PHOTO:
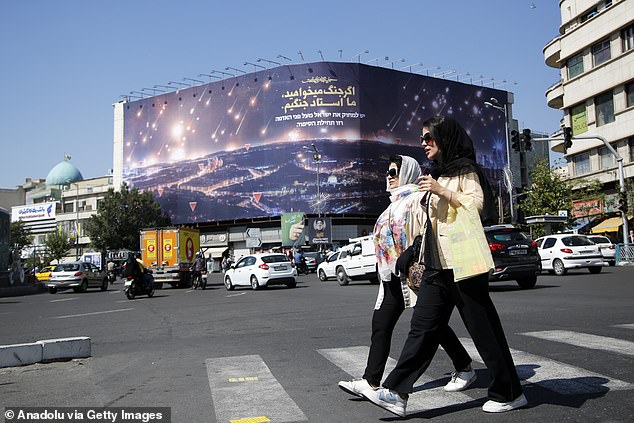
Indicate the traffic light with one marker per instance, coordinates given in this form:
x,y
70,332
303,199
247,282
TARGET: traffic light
x,y
526,139
622,202
515,140
567,138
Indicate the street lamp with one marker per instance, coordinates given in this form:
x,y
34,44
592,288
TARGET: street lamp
x,y
494,103
316,159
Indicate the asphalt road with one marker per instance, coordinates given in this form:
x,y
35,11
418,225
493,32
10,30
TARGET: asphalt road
x,y
278,353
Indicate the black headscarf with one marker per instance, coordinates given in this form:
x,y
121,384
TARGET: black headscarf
x,y
457,157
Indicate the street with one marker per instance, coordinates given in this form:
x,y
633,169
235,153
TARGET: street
x,y
277,354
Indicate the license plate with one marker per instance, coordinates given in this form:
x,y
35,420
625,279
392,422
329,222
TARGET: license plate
x,y
127,283
280,268
517,252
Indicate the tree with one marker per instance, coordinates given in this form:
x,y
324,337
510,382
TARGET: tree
x,y
57,244
548,193
20,235
121,216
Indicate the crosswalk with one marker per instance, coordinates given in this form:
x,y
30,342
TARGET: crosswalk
x,y
244,390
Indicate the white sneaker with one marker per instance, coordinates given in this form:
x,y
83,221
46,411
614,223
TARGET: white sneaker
x,y
387,399
355,387
501,407
460,381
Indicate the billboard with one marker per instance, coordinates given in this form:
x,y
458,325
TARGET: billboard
x,y
245,147
33,212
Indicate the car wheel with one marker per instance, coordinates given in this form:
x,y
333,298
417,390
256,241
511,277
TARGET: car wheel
x,y
527,283
595,269
104,285
254,283
322,275
559,268
292,284
342,276
52,290
228,284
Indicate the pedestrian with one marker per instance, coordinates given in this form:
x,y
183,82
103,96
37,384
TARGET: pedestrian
x,y
454,175
394,232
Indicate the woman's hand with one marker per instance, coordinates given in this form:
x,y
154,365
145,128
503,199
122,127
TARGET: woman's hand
x,y
428,184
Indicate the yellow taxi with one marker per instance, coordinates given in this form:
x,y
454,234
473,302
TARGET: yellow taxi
x,y
44,274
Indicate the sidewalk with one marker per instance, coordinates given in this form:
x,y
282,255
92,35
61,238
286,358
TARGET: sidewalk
x,y
18,291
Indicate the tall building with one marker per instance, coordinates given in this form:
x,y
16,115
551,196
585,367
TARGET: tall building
x,y
595,53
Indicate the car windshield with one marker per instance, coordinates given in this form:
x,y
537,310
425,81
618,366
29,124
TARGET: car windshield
x,y
576,241
276,258
314,255
507,235
67,267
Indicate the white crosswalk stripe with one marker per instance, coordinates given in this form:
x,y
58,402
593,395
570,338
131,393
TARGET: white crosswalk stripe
x,y
352,360
243,389
555,375
625,326
586,340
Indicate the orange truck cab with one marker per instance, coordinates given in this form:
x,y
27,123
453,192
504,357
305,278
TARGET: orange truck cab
x,y
169,253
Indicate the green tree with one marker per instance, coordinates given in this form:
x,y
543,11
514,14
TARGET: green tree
x,y
548,194
121,216
20,235
57,245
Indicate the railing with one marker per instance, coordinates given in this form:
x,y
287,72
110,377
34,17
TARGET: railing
x,y
624,254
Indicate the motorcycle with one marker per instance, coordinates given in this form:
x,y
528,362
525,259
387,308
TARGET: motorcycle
x,y
198,280
132,288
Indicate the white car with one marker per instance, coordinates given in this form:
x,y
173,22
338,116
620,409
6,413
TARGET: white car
x,y
326,268
561,252
608,250
77,275
261,270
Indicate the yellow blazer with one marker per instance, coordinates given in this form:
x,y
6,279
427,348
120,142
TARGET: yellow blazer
x,y
467,184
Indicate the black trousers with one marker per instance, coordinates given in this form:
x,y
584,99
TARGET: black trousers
x,y
436,301
383,322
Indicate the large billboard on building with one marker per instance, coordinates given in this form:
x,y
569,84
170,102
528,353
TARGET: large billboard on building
x,y
246,146
33,212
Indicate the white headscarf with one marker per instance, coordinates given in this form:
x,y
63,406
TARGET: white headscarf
x,y
408,172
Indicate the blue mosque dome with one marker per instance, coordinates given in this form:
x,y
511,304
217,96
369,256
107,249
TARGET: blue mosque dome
x,y
63,173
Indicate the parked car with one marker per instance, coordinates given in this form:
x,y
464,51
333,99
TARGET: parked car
x,y
261,270
608,249
313,259
514,254
44,274
77,275
326,268
566,251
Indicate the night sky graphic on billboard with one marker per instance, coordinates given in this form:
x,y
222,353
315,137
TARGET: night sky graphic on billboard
x,y
242,147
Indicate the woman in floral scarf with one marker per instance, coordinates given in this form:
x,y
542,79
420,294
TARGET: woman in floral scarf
x,y
394,232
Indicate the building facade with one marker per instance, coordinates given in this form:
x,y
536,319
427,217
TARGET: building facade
x,y
595,54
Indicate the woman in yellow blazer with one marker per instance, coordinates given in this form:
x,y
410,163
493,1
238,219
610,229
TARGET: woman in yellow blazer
x,y
455,171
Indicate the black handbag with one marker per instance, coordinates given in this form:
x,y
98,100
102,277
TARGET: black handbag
x,y
426,253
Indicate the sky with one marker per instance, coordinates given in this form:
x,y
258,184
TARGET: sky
x,y
64,63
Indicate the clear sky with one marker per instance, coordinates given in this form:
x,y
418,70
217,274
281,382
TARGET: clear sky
x,y
63,63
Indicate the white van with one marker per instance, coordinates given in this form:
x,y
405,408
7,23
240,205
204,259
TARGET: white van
x,y
356,261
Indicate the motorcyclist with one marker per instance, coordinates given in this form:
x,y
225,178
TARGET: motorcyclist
x,y
135,268
199,266
300,261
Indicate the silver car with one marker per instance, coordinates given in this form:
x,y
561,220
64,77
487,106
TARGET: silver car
x,y
77,275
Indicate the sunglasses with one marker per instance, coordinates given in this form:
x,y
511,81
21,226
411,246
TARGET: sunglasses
x,y
426,138
391,173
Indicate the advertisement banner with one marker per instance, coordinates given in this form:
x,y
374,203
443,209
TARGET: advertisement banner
x,y
319,230
292,229
33,212
168,248
270,142
579,119
588,207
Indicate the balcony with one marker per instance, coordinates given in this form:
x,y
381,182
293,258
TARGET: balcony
x,y
552,52
555,95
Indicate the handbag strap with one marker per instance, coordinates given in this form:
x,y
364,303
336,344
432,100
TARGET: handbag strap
x,y
427,199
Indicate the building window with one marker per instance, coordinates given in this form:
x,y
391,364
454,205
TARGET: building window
x,y
68,207
629,94
604,108
627,38
607,159
582,164
630,144
601,52
589,14
575,66
579,119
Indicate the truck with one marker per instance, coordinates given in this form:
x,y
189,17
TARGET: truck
x,y
169,253
357,261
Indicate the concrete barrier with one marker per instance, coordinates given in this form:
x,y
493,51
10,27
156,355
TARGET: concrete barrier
x,y
46,350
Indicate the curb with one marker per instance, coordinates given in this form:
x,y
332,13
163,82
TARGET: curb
x,y
44,351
